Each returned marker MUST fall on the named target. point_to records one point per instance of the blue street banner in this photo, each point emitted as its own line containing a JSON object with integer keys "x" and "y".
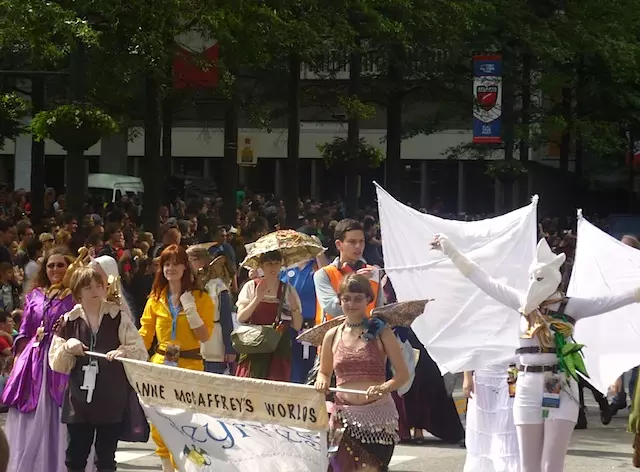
{"x": 487, "y": 93}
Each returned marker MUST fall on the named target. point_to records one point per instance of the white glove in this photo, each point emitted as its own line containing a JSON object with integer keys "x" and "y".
{"x": 189, "y": 306}
{"x": 462, "y": 262}
{"x": 75, "y": 346}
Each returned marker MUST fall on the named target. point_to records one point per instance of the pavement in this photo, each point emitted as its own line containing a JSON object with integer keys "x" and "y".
{"x": 598, "y": 449}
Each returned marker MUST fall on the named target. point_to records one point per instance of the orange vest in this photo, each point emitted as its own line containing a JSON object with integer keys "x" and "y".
{"x": 335, "y": 277}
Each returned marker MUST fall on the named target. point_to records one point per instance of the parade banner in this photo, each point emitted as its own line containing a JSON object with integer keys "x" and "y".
{"x": 223, "y": 396}
{"x": 487, "y": 93}
{"x": 203, "y": 443}
{"x": 604, "y": 266}
{"x": 463, "y": 328}
{"x": 227, "y": 424}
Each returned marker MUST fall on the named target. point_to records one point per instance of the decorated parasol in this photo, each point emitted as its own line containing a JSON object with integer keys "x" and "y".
{"x": 295, "y": 248}
{"x": 394, "y": 314}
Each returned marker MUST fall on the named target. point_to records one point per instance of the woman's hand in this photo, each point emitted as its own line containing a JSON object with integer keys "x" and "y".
{"x": 261, "y": 289}
{"x": 115, "y": 354}
{"x": 436, "y": 243}
{"x": 75, "y": 347}
{"x": 322, "y": 385}
{"x": 468, "y": 387}
{"x": 377, "y": 390}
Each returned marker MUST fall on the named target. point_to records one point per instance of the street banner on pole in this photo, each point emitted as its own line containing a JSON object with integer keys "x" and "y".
{"x": 487, "y": 93}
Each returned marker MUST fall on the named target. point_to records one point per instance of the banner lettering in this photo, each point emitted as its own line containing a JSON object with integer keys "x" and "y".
{"x": 220, "y": 396}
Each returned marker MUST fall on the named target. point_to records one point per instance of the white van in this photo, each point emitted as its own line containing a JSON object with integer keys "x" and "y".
{"x": 112, "y": 187}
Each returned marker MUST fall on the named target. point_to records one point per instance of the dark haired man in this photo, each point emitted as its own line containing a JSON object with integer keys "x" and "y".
{"x": 350, "y": 242}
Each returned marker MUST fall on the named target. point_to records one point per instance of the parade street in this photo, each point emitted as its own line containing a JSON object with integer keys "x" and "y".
{"x": 599, "y": 449}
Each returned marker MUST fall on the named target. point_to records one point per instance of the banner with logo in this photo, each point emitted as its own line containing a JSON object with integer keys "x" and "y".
{"x": 487, "y": 93}
{"x": 228, "y": 424}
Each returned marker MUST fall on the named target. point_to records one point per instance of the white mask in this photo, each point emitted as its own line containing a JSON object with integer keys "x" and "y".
{"x": 544, "y": 277}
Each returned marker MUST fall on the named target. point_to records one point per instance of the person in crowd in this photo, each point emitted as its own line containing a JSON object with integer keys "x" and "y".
{"x": 350, "y": 242}
{"x": 357, "y": 352}
{"x": 180, "y": 318}
{"x": 4, "y": 452}
{"x": 266, "y": 301}
{"x": 94, "y": 325}
{"x": 301, "y": 279}
{"x": 34, "y": 250}
{"x": 33, "y": 392}
{"x": 215, "y": 277}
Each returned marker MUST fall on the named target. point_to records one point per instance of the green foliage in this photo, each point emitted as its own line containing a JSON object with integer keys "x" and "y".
{"x": 337, "y": 153}
{"x": 75, "y": 125}
{"x": 13, "y": 109}
{"x": 506, "y": 170}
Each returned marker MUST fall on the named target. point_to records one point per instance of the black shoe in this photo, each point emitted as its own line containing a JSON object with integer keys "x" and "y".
{"x": 605, "y": 414}
{"x": 582, "y": 420}
{"x": 617, "y": 406}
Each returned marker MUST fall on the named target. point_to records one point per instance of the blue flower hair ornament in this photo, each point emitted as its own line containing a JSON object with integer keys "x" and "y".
{"x": 373, "y": 328}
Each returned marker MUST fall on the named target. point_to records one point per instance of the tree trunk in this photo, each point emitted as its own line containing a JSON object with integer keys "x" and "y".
{"x": 394, "y": 125}
{"x": 151, "y": 176}
{"x": 230, "y": 165}
{"x": 167, "y": 137}
{"x": 565, "y": 142}
{"x": 291, "y": 188}
{"x": 632, "y": 172}
{"x": 37, "y": 153}
{"x": 353, "y": 133}
{"x": 580, "y": 92}
{"x": 75, "y": 164}
{"x": 508, "y": 117}
{"x": 525, "y": 121}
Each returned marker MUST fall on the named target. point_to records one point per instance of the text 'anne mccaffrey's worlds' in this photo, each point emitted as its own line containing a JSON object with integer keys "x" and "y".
{"x": 229, "y": 397}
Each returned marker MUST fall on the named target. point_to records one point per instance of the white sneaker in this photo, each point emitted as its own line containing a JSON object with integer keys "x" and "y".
{"x": 167, "y": 466}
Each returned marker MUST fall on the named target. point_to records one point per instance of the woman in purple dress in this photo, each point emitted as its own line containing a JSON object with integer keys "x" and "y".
{"x": 34, "y": 392}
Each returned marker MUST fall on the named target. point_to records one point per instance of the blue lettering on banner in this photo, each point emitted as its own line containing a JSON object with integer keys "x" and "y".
{"x": 225, "y": 434}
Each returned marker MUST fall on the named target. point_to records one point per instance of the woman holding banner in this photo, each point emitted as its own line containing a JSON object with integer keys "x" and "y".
{"x": 180, "y": 318}
{"x": 357, "y": 351}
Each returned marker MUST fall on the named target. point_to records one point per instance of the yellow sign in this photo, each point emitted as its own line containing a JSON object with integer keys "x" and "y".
{"x": 246, "y": 155}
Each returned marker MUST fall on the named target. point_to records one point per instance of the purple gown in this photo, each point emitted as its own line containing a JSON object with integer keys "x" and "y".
{"x": 34, "y": 392}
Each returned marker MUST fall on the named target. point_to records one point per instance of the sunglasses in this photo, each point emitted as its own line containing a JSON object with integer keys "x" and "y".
{"x": 56, "y": 265}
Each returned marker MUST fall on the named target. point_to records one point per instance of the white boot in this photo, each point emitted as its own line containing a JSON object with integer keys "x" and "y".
{"x": 167, "y": 466}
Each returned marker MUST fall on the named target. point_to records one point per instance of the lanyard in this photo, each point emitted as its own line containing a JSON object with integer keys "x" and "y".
{"x": 92, "y": 344}
{"x": 174, "y": 317}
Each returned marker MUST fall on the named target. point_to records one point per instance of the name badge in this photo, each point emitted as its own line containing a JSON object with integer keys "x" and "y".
{"x": 551, "y": 391}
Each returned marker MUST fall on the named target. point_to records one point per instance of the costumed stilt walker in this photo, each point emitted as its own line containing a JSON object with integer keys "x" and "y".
{"x": 546, "y": 402}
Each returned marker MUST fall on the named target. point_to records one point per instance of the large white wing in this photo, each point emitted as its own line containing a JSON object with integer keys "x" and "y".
{"x": 463, "y": 329}
{"x": 604, "y": 265}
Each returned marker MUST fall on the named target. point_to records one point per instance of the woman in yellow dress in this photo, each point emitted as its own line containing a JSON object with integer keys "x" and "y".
{"x": 180, "y": 317}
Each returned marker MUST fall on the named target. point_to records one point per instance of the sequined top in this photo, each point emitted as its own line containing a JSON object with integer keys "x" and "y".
{"x": 366, "y": 363}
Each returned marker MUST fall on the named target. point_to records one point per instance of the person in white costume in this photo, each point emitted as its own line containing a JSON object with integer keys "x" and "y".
{"x": 490, "y": 434}
{"x": 546, "y": 403}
